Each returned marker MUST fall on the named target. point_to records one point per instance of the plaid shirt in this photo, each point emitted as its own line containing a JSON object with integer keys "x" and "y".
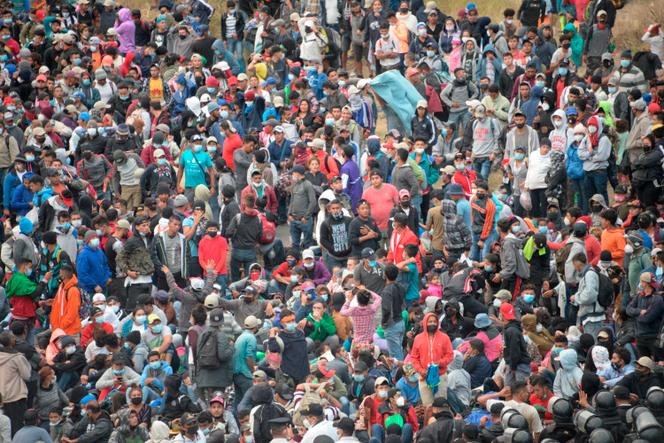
{"x": 362, "y": 318}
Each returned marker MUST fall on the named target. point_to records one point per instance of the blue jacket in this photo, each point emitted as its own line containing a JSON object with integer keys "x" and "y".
{"x": 497, "y": 65}
{"x": 10, "y": 183}
{"x": 277, "y": 152}
{"x": 21, "y": 198}
{"x": 574, "y": 164}
{"x": 159, "y": 375}
{"x": 92, "y": 269}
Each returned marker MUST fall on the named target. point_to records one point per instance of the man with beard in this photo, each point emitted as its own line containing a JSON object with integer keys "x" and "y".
{"x": 642, "y": 379}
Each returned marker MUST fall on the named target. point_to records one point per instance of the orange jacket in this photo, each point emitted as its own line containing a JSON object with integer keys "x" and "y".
{"x": 215, "y": 249}
{"x": 431, "y": 349}
{"x": 613, "y": 239}
{"x": 65, "y": 307}
{"x": 397, "y": 245}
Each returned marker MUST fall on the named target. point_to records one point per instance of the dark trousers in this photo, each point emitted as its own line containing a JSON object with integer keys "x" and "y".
{"x": 538, "y": 199}
{"x": 645, "y": 346}
{"x": 135, "y": 291}
{"x": 15, "y": 411}
{"x": 647, "y": 192}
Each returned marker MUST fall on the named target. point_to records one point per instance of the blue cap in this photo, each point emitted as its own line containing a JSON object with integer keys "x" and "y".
{"x": 571, "y": 111}
{"x": 11, "y": 68}
{"x": 84, "y": 401}
{"x": 25, "y": 226}
{"x": 271, "y": 81}
{"x": 85, "y": 116}
{"x": 221, "y": 102}
{"x": 212, "y": 106}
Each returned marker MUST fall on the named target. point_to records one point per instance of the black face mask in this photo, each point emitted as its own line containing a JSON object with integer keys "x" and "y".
{"x": 212, "y": 234}
{"x": 571, "y": 121}
{"x": 136, "y": 400}
{"x": 405, "y": 203}
{"x": 432, "y": 328}
{"x": 566, "y": 45}
{"x": 193, "y": 430}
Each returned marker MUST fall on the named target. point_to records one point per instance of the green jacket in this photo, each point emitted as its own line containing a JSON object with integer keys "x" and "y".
{"x": 322, "y": 329}
{"x": 577, "y": 44}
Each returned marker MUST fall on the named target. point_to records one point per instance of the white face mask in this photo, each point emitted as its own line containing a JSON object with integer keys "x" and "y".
{"x": 496, "y": 303}
{"x": 566, "y": 221}
{"x": 382, "y": 394}
{"x": 556, "y": 122}
{"x": 545, "y": 106}
{"x": 578, "y": 137}
{"x": 306, "y": 423}
{"x": 629, "y": 249}
{"x": 401, "y": 402}
{"x": 592, "y": 129}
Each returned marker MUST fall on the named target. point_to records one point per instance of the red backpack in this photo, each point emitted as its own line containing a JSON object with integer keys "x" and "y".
{"x": 269, "y": 230}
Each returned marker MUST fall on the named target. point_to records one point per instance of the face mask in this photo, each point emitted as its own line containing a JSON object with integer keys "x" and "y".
{"x": 213, "y": 234}
{"x": 224, "y": 114}
{"x": 401, "y": 402}
{"x": 431, "y": 53}
{"x": 529, "y": 298}
{"x": 54, "y": 423}
{"x": 557, "y": 122}
{"x": 255, "y": 275}
{"x": 497, "y": 303}
{"x": 30, "y": 158}
{"x": 155, "y": 364}
{"x": 306, "y": 423}
{"x": 76, "y": 223}
{"x": 539, "y": 328}
{"x": 157, "y": 329}
{"x": 290, "y": 327}
{"x": 118, "y": 371}
{"x": 140, "y": 319}
{"x": 212, "y": 149}
{"x": 543, "y": 229}
{"x": 516, "y": 229}
{"x": 539, "y": 83}
{"x": 382, "y": 394}
{"x": 578, "y": 138}
{"x": 612, "y": 89}
{"x": 358, "y": 377}
{"x": 162, "y": 162}
{"x": 65, "y": 226}
{"x": 419, "y": 151}
{"x": 449, "y": 28}
{"x": 625, "y": 63}
{"x": 488, "y": 268}
{"x": 136, "y": 400}
{"x": 432, "y": 328}
{"x": 460, "y": 166}
{"x": 566, "y": 45}
{"x": 413, "y": 378}
{"x": 629, "y": 249}
{"x": 562, "y": 71}
{"x": 77, "y": 61}
{"x": 99, "y": 320}
{"x": 615, "y": 366}
{"x": 545, "y": 106}
{"x": 115, "y": 309}
{"x": 198, "y": 148}
{"x": 422, "y": 32}
{"x": 94, "y": 243}
{"x": 373, "y": 263}
{"x": 592, "y": 129}
{"x": 309, "y": 265}
{"x": 329, "y": 122}
{"x": 211, "y": 90}
{"x": 69, "y": 350}
{"x": 291, "y": 263}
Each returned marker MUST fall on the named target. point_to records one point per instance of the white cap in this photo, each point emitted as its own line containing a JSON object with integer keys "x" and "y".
{"x": 307, "y": 253}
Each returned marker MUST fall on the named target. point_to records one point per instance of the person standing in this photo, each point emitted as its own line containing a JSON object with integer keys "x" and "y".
{"x": 244, "y": 360}
{"x": 303, "y": 206}
{"x": 646, "y": 308}
{"x": 394, "y": 296}
{"x": 170, "y": 248}
{"x": 335, "y": 236}
{"x": 431, "y": 353}
{"x": 539, "y": 165}
{"x": 244, "y": 230}
{"x": 14, "y": 373}
{"x": 591, "y": 313}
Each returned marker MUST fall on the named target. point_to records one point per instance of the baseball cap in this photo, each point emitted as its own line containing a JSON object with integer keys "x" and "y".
{"x": 152, "y": 318}
{"x": 307, "y": 253}
{"x": 380, "y": 381}
{"x": 259, "y": 375}
{"x": 646, "y": 362}
{"x": 507, "y": 311}
{"x": 368, "y": 253}
{"x": 404, "y": 193}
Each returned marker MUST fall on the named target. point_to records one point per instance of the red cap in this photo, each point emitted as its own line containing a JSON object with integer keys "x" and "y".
{"x": 654, "y": 108}
{"x": 212, "y": 82}
{"x": 41, "y": 78}
{"x": 507, "y": 311}
{"x": 232, "y": 81}
{"x": 40, "y": 15}
{"x": 249, "y": 96}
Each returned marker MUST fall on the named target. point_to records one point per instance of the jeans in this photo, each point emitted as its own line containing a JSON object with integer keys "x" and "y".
{"x": 461, "y": 119}
{"x": 593, "y": 328}
{"x": 482, "y": 166}
{"x": 239, "y": 258}
{"x": 299, "y": 229}
{"x": 242, "y": 384}
{"x": 579, "y": 188}
{"x": 521, "y": 373}
{"x": 416, "y": 201}
{"x": 596, "y": 183}
{"x": 394, "y": 337}
{"x": 475, "y": 252}
{"x": 222, "y": 280}
{"x": 235, "y": 47}
{"x": 331, "y": 262}
{"x": 378, "y": 434}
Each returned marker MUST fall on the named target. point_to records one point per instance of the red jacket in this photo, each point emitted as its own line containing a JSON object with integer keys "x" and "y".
{"x": 465, "y": 179}
{"x": 147, "y": 155}
{"x": 268, "y": 193}
{"x": 86, "y": 334}
{"x": 215, "y": 249}
{"x": 398, "y": 244}
{"x": 231, "y": 144}
{"x": 431, "y": 349}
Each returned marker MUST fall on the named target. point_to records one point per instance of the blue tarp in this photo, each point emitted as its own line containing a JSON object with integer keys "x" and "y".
{"x": 398, "y": 93}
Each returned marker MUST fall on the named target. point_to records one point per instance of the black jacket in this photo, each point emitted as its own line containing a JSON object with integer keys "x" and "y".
{"x": 87, "y": 431}
{"x": 245, "y": 231}
{"x": 393, "y": 296}
{"x": 515, "y": 351}
{"x": 442, "y": 430}
{"x": 227, "y": 214}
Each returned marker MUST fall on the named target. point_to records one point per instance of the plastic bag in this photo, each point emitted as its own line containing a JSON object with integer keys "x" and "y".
{"x": 526, "y": 202}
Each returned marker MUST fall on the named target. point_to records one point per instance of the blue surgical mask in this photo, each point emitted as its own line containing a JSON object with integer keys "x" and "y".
{"x": 516, "y": 229}
{"x": 290, "y": 327}
{"x": 77, "y": 61}
{"x": 659, "y": 272}
{"x": 443, "y": 132}
{"x": 612, "y": 89}
{"x": 293, "y": 278}
{"x": 519, "y": 156}
{"x": 155, "y": 364}
{"x": 358, "y": 377}
{"x": 625, "y": 63}
{"x": 563, "y": 71}
{"x": 65, "y": 226}
{"x": 30, "y": 158}
{"x": 529, "y": 298}
{"x": 162, "y": 161}
{"x": 373, "y": 263}
{"x": 99, "y": 320}
{"x": 223, "y": 114}
{"x": 211, "y": 90}
{"x": 87, "y": 82}
{"x": 329, "y": 122}
{"x": 118, "y": 371}
{"x": 157, "y": 328}
{"x": 291, "y": 263}
{"x": 198, "y": 148}
{"x": 413, "y": 378}
{"x": 488, "y": 268}
{"x": 539, "y": 83}
{"x": 543, "y": 229}
{"x": 94, "y": 243}
{"x": 28, "y": 272}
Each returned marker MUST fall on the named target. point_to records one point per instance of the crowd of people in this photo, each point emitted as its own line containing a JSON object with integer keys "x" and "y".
{"x": 331, "y": 220}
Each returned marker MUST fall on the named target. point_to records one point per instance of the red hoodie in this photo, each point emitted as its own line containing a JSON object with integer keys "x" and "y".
{"x": 431, "y": 349}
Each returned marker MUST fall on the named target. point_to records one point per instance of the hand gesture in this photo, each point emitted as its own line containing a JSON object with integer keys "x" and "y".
{"x": 48, "y": 276}
{"x": 210, "y": 266}
{"x": 165, "y": 269}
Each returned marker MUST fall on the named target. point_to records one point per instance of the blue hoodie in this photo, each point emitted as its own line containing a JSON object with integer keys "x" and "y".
{"x": 92, "y": 268}
{"x": 529, "y": 107}
{"x": 568, "y": 377}
{"x": 497, "y": 65}
{"x": 21, "y": 198}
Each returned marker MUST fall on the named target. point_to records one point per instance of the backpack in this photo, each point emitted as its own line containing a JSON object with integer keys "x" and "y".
{"x": 262, "y": 417}
{"x": 605, "y": 293}
{"x": 207, "y": 356}
{"x": 310, "y": 396}
{"x": 269, "y": 230}
{"x": 561, "y": 257}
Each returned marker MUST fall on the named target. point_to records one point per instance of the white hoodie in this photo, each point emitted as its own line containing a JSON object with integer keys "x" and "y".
{"x": 563, "y": 136}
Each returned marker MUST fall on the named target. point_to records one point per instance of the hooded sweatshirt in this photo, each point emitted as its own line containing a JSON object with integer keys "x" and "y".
{"x": 126, "y": 31}
{"x": 14, "y": 372}
{"x": 431, "y": 349}
{"x": 159, "y": 433}
{"x": 595, "y": 149}
{"x": 568, "y": 377}
{"x": 458, "y": 379}
{"x": 456, "y": 235}
{"x": 563, "y": 136}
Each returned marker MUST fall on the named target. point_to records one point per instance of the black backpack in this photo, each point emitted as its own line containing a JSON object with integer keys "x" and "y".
{"x": 262, "y": 416}
{"x": 207, "y": 356}
{"x": 606, "y": 292}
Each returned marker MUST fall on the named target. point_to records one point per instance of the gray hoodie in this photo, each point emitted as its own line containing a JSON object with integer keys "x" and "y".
{"x": 458, "y": 379}
{"x": 460, "y": 94}
{"x": 486, "y": 133}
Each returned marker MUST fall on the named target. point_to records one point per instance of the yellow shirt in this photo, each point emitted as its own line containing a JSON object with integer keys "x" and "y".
{"x": 156, "y": 89}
